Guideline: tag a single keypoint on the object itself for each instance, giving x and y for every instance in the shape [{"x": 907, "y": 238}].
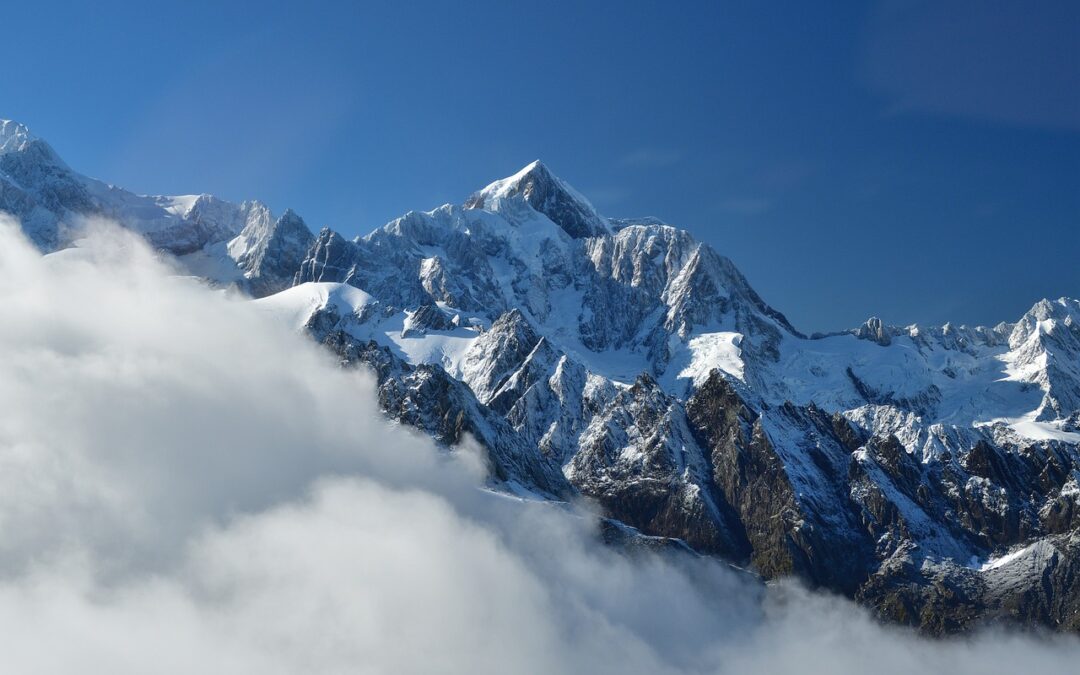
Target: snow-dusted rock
[
  {"x": 52, "y": 201},
  {"x": 269, "y": 252}
]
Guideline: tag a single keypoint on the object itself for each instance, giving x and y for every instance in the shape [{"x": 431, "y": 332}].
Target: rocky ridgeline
[{"x": 929, "y": 472}]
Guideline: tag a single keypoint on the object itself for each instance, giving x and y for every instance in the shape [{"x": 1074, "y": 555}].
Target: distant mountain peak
[
  {"x": 875, "y": 331},
  {"x": 17, "y": 139},
  {"x": 1062, "y": 308},
  {"x": 14, "y": 136},
  {"x": 270, "y": 251}
]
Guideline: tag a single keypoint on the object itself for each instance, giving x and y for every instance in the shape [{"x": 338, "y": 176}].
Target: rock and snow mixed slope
[
  {"x": 931, "y": 472},
  {"x": 213, "y": 238}
]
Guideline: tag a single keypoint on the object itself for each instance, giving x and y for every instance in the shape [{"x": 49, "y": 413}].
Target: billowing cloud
[{"x": 186, "y": 486}]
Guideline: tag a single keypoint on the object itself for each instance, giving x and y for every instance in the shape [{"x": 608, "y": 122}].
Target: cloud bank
[{"x": 186, "y": 486}]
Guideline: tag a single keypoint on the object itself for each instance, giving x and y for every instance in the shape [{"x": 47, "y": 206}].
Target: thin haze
[
  {"x": 171, "y": 505},
  {"x": 911, "y": 159}
]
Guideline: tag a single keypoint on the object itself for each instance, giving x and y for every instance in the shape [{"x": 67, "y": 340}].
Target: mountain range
[{"x": 929, "y": 472}]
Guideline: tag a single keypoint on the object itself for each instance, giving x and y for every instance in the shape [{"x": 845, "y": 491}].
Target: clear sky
[{"x": 919, "y": 161}]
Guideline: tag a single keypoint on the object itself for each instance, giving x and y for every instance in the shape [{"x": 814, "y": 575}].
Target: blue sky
[{"x": 919, "y": 161}]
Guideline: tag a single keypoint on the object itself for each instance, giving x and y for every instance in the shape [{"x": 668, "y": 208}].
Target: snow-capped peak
[
  {"x": 1045, "y": 350},
  {"x": 17, "y": 138},
  {"x": 268, "y": 251},
  {"x": 512, "y": 185},
  {"x": 14, "y": 136},
  {"x": 508, "y": 186},
  {"x": 546, "y": 193},
  {"x": 875, "y": 331},
  {"x": 1051, "y": 318}
]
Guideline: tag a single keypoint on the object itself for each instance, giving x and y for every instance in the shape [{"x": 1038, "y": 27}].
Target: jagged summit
[
  {"x": 1064, "y": 309},
  {"x": 546, "y": 193},
  {"x": 873, "y": 329},
  {"x": 1045, "y": 346},
  {"x": 533, "y": 172},
  {"x": 19, "y": 144},
  {"x": 269, "y": 252},
  {"x": 14, "y": 136}
]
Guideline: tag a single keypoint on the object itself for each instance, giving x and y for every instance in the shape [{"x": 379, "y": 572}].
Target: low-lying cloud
[{"x": 186, "y": 486}]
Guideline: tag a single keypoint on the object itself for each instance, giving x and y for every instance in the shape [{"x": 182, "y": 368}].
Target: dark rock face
[
  {"x": 330, "y": 258},
  {"x": 891, "y": 531},
  {"x": 272, "y": 255},
  {"x": 427, "y": 398},
  {"x": 425, "y": 318},
  {"x": 1039, "y": 589},
  {"x": 791, "y": 531},
  {"x": 875, "y": 331},
  {"x": 643, "y": 489}
]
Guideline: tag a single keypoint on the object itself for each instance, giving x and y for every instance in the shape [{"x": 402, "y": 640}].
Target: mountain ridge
[{"x": 929, "y": 472}]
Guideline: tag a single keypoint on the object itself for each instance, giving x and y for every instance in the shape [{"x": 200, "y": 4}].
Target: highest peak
[
  {"x": 546, "y": 193},
  {"x": 537, "y": 168},
  {"x": 531, "y": 175}
]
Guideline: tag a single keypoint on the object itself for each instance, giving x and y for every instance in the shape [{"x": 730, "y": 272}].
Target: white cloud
[{"x": 187, "y": 487}]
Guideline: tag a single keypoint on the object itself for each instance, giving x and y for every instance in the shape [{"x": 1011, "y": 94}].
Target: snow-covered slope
[{"x": 624, "y": 361}]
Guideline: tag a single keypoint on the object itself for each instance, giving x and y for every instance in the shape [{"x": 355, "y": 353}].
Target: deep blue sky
[{"x": 915, "y": 160}]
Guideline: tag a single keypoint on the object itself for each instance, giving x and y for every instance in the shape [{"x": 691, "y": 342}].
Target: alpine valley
[{"x": 932, "y": 473}]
